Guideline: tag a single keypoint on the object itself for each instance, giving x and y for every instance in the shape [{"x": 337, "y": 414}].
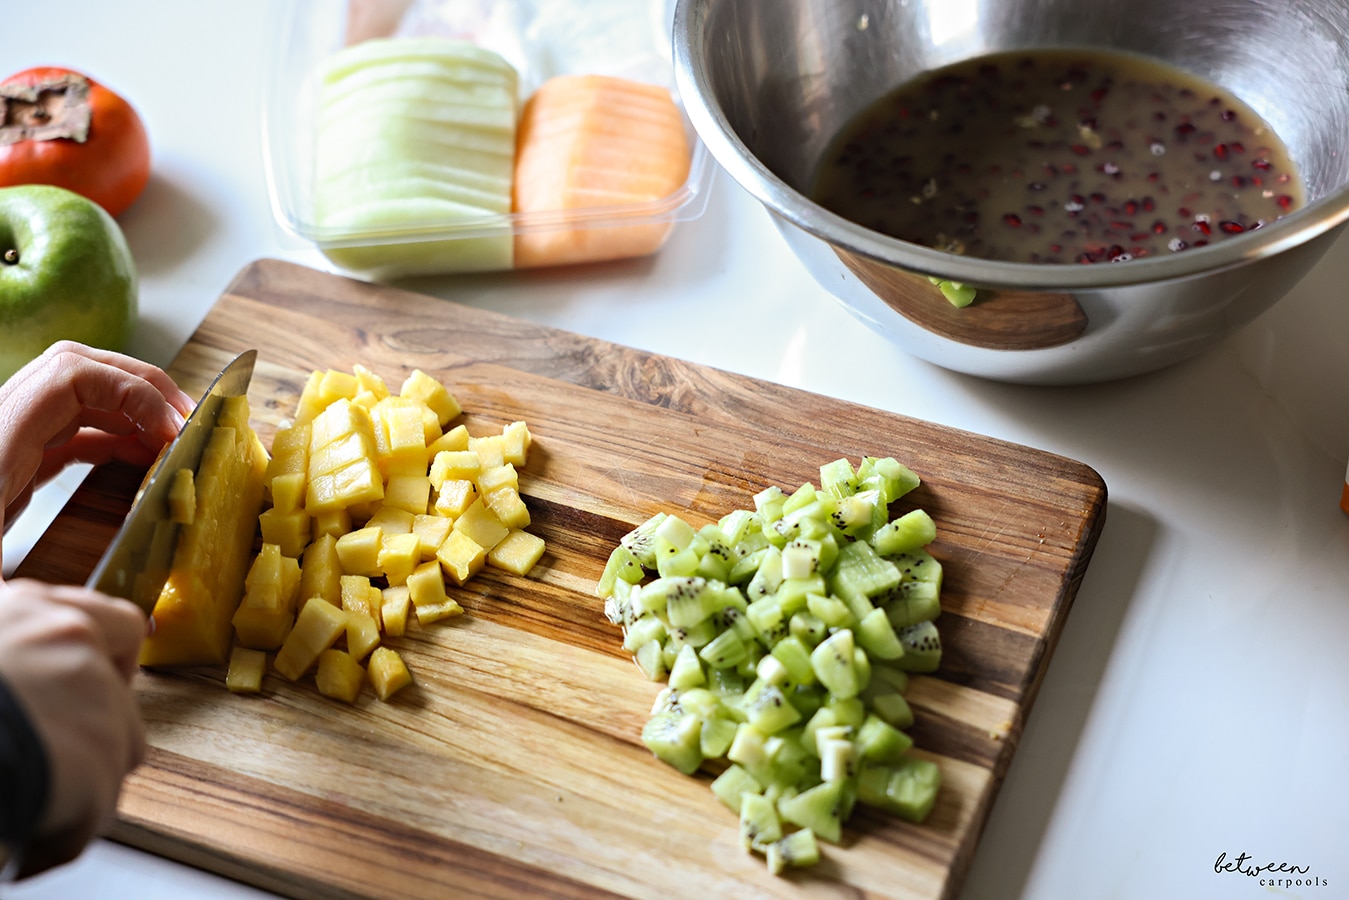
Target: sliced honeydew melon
[
  {"x": 389, "y": 50},
  {"x": 353, "y": 190}
]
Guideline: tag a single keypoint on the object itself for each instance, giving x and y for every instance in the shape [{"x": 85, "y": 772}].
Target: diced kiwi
[
  {"x": 787, "y": 634},
  {"x": 922, "y": 647},
  {"x": 674, "y": 737},
  {"x": 733, "y": 783},
  {"x": 759, "y": 823}
]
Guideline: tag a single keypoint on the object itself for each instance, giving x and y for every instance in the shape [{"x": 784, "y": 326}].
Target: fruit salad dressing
[{"x": 1059, "y": 156}]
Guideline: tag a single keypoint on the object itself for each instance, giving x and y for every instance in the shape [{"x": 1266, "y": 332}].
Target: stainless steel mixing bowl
[{"x": 767, "y": 83}]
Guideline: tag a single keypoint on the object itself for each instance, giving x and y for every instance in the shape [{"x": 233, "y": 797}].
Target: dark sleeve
[{"x": 24, "y": 777}]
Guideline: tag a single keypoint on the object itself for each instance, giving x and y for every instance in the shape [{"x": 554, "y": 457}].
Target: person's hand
[
  {"x": 77, "y": 404},
  {"x": 68, "y": 655}
]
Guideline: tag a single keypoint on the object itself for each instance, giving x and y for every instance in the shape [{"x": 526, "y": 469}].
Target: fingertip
[{"x": 149, "y": 626}]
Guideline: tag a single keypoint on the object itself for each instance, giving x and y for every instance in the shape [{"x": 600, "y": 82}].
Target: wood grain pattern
[{"x": 513, "y": 766}]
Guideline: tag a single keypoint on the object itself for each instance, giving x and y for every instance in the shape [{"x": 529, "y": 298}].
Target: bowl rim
[{"x": 779, "y": 198}]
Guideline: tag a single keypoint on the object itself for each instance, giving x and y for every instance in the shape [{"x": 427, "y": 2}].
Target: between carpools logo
[{"x": 1268, "y": 874}]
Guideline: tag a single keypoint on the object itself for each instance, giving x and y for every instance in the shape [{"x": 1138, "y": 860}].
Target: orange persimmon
[{"x": 62, "y": 128}]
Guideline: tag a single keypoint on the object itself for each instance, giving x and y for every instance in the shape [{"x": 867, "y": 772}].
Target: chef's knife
[{"x": 136, "y": 563}]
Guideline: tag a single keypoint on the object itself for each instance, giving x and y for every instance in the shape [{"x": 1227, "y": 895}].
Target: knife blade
[{"x": 136, "y": 563}]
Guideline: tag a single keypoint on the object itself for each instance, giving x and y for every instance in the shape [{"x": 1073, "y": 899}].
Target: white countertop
[{"x": 1198, "y": 700}]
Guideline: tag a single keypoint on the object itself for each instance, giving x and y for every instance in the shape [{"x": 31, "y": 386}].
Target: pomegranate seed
[
  {"x": 1285, "y": 201},
  {"x": 1081, "y": 149},
  {"x": 1238, "y": 181},
  {"x": 1131, "y": 207},
  {"x": 1262, "y": 164},
  {"x": 1012, "y": 219},
  {"x": 1184, "y": 212},
  {"x": 1185, "y": 129},
  {"x": 1159, "y": 227},
  {"x": 1035, "y": 210},
  {"x": 1122, "y": 226},
  {"x": 1237, "y": 147},
  {"x": 1098, "y": 197},
  {"x": 1230, "y": 227},
  {"x": 1220, "y": 151},
  {"x": 1202, "y": 227}
]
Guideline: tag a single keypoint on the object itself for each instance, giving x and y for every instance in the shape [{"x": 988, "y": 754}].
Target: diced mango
[
  {"x": 321, "y": 570},
  {"x": 516, "y": 439},
  {"x": 423, "y": 387},
  {"x": 431, "y": 531},
  {"x": 288, "y": 491},
  {"x": 517, "y": 553},
  {"x": 339, "y": 675},
  {"x": 503, "y": 475},
  {"x": 359, "y": 551},
  {"x": 508, "y": 506},
  {"x": 399, "y": 554},
  {"x": 454, "y": 439},
  {"x": 246, "y": 668},
  {"x": 335, "y": 385},
  {"x": 454, "y": 465},
  {"x": 391, "y": 520},
  {"x": 317, "y": 627},
  {"x": 454, "y": 497},
  {"x": 491, "y": 449},
  {"x": 388, "y": 673},
  {"x": 362, "y": 635},
  {"x": 481, "y": 524},
  {"x": 394, "y": 609},
  {"x": 368, "y": 381},
  {"x": 409, "y": 492},
  {"x": 461, "y": 557},
  {"x": 335, "y": 522},
  {"x": 311, "y": 400},
  {"x": 289, "y": 530}
]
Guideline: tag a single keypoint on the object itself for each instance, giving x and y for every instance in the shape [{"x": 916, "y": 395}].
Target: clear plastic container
[{"x": 541, "y": 38}]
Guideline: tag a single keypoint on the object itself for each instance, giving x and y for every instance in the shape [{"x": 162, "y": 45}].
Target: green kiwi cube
[
  {"x": 892, "y": 707},
  {"x": 919, "y": 565},
  {"x": 835, "y": 666},
  {"x": 716, "y": 737},
  {"x": 850, "y": 711},
  {"x": 922, "y": 647},
  {"x": 734, "y": 782},
  {"x": 736, "y": 526},
  {"x": 915, "y": 601},
  {"x": 687, "y": 670},
  {"x": 820, "y": 808},
  {"x": 879, "y": 741},
  {"x": 745, "y": 568},
  {"x": 725, "y": 682},
  {"x": 748, "y": 750},
  {"x": 768, "y": 505},
  {"x": 807, "y": 698},
  {"x": 797, "y": 849},
  {"x": 759, "y": 823},
  {"x": 678, "y": 562},
  {"x": 766, "y": 615},
  {"x": 861, "y": 572},
  {"x": 767, "y": 577},
  {"x": 912, "y": 788},
  {"x": 792, "y": 593},
  {"x": 877, "y": 636},
  {"x": 641, "y": 541},
  {"x": 823, "y": 718},
  {"x": 651, "y": 661},
  {"x": 830, "y": 610},
  {"x": 837, "y": 757},
  {"x": 884, "y": 676},
  {"x": 767, "y": 708},
  {"x": 888, "y": 475},
  {"x": 911, "y": 531},
  {"x": 794, "y": 656},
  {"x": 697, "y": 635},
  {"x": 802, "y": 496},
  {"x": 724, "y": 651},
  {"x": 838, "y": 478},
  {"x": 621, "y": 565},
  {"x": 806, "y": 627},
  {"x": 644, "y": 629},
  {"x": 689, "y": 600},
  {"x": 675, "y": 738},
  {"x": 801, "y": 558}
]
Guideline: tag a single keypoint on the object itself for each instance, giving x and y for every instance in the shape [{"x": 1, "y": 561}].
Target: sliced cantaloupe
[
  {"x": 206, "y": 579},
  {"x": 594, "y": 141}
]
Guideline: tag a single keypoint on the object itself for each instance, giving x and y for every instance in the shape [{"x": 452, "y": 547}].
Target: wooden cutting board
[{"x": 513, "y": 766}]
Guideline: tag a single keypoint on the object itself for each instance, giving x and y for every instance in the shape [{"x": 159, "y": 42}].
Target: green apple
[{"x": 66, "y": 273}]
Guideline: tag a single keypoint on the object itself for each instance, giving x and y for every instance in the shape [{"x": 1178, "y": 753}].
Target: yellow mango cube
[
  {"x": 491, "y": 449},
  {"x": 388, "y": 673},
  {"x": 311, "y": 402},
  {"x": 508, "y": 506},
  {"x": 454, "y": 497},
  {"x": 359, "y": 551},
  {"x": 454, "y": 439},
  {"x": 431, "y": 531},
  {"x": 426, "y": 389},
  {"x": 262, "y": 628},
  {"x": 356, "y": 596},
  {"x": 504, "y": 475},
  {"x": 335, "y": 523},
  {"x": 317, "y": 627},
  {"x": 434, "y": 612},
  {"x": 355, "y": 484},
  {"x": 454, "y": 465},
  {"x": 362, "y": 635},
  {"x": 246, "y": 668},
  {"x": 409, "y": 492},
  {"x": 397, "y": 602},
  {"x": 399, "y": 555},
  {"x": 288, "y": 530},
  {"x": 288, "y": 491},
  {"x": 481, "y": 524},
  {"x": 426, "y": 584},
  {"x": 368, "y": 381},
  {"x": 515, "y": 442},
  {"x": 321, "y": 570},
  {"x": 517, "y": 553},
  {"x": 390, "y": 520},
  {"x": 461, "y": 557},
  {"x": 339, "y": 675},
  {"x": 335, "y": 385}
]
